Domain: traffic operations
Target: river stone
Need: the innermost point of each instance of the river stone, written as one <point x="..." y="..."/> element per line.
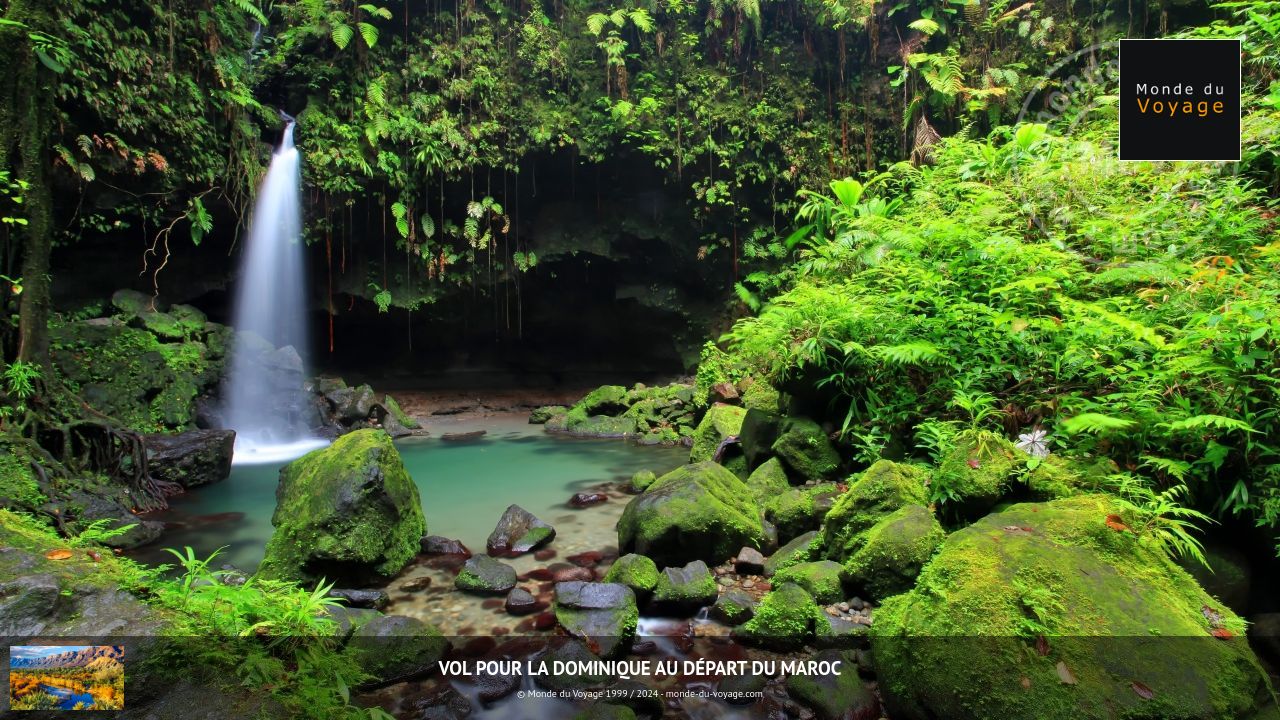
<point x="394" y="409"/>
<point x="636" y="572"/>
<point x="749" y="562"/>
<point x="365" y="599"/>
<point x="395" y="647"/>
<point x="834" y="696"/>
<point x="604" y="615"/>
<point x="823" y="579"/>
<point x="783" y="620"/>
<point x="518" y="532"/>
<point x="93" y="507"/>
<point x="349" y="513"/>
<point x="799" y="550"/>
<point x="574" y="654"/>
<point x="894" y="551"/>
<point x="541" y="415"/>
<point x="352" y="404"/>
<point x="440" y="545"/>
<point x="1121" y="614"/>
<point x="131" y="302"/>
<point x="720" y="423"/>
<point x="805" y="450"/>
<point x="521" y="602"/>
<point x="190" y="459"/>
<point x="695" y="512"/>
<point x="879" y="491"/>
<point x="685" y="589"/>
<point x="832" y="631"/>
<point x="734" y="607"/>
<point x="483" y="574"/>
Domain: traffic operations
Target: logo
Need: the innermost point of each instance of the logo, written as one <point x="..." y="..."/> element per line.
<point x="1180" y="100"/>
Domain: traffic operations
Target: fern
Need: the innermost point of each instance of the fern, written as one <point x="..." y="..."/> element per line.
<point x="1094" y="424"/>
<point x="341" y="35"/>
<point x="251" y="9"/>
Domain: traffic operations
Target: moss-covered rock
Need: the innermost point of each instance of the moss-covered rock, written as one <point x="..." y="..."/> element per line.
<point x="801" y="549"/>
<point x="836" y="695"/>
<point x="399" y="414"/>
<point x="1127" y="633"/>
<point x="604" y="615"/>
<point x="768" y="481"/>
<point x="720" y="422"/>
<point x="18" y="487"/>
<point x="484" y="575"/>
<point x="881" y="489"/>
<point x="759" y="395"/>
<point x="824" y="580"/>
<point x="685" y="589"/>
<point x="758" y="434"/>
<point x="395" y="647"/>
<point x="542" y="414"/>
<point x="806" y="450"/>
<point x="977" y="472"/>
<point x="734" y="607"/>
<point x="695" y="512"/>
<point x="894" y="550"/>
<point x="604" y="400"/>
<point x="345" y="512"/>
<point x="636" y="572"/>
<point x="642" y="479"/>
<point x="784" y="618"/>
<point x="795" y="511"/>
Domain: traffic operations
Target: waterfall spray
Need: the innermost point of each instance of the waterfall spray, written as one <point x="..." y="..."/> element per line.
<point x="265" y="401"/>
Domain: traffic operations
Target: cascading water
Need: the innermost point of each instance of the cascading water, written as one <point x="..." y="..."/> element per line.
<point x="264" y="397"/>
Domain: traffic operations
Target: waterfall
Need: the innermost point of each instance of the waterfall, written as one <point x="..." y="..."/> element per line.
<point x="264" y="397"/>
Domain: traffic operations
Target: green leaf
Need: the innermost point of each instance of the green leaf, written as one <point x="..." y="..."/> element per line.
<point x="49" y="62"/>
<point x="1094" y="424"/>
<point x="342" y="35"/>
<point x="369" y="33"/>
<point x="1209" y="422"/>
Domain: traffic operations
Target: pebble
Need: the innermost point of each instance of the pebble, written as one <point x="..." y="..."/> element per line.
<point x="748" y="583"/>
<point x="544" y="554"/>
<point x="844" y="607"/>
<point x="857" y="603"/>
<point x="416" y="584"/>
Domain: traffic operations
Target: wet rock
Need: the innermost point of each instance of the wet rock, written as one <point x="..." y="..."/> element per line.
<point x="352" y="404"/>
<point x="395" y="411"/>
<point x="741" y="688"/>
<point x="544" y="554"/>
<point x="591" y="558"/>
<point x="749" y="562"/>
<point x="587" y="499"/>
<point x="541" y="415"/>
<point x="190" y="459"/>
<point x="439" y="545"/>
<point x="521" y="602"/>
<point x="393" y="427"/>
<point x="684" y="589"/>
<point x="832" y="696"/>
<point x="805" y="450"/>
<point x="544" y="621"/>
<point x="798" y="550"/>
<point x="604" y="615"/>
<point x="568" y="573"/>
<point x="370" y="599"/>
<point x="348" y="619"/>
<point x="719" y="424"/>
<point x="642" y="479"/>
<point x="823" y="579"/>
<point x="636" y="572"/>
<point x="464" y="436"/>
<point x="27" y="604"/>
<point x="482" y="574"/>
<point x="734" y="607"/>
<point x="348" y="513"/>
<point x="696" y="512"/>
<point x="393" y="648"/>
<point x="492" y="688"/>
<point x="94" y="507"/>
<point x="834" y="631"/>
<point x="417" y="584"/>
<point x="447" y="704"/>
<point x="518" y="531"/>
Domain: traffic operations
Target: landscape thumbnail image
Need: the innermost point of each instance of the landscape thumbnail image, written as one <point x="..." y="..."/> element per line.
<point x="66" y="677"/>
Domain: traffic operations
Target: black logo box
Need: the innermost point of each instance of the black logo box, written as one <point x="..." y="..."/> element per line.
<point x="1190" y="64"/>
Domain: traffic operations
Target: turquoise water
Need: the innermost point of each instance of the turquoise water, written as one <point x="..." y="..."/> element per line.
<point x="465" y="486"/>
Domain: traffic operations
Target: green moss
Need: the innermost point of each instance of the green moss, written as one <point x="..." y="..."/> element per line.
<point x="894" y="550"/>
<point x="642" y="479"/>
<point x="1115" y="611"/>
<point x="802" y="549"/>
<point x="759" y="395"/>
<point x="18" y="487"/>
<point x="695" y="512"/>
<point x="784" y="619"/>
<point x="542" y="414"/>
<point x="977" y="472"/>
<point x="350" y="507"/>
<point x="806" y="450"/>
<point x="881" y="489"/>
<point x="720" y="422"/>
<point x="691" y="585"/>
<point x="635" y="571"/>
<point x="799" y="510"/>
<point x="399" y="414"/>
<point x="824" y="580"/>
<point x="768" y="481"/>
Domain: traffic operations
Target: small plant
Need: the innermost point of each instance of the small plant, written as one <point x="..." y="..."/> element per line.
<point x="1160" y="517"/>
<point x="196" y="570"/>
<point x="97" y="532"/>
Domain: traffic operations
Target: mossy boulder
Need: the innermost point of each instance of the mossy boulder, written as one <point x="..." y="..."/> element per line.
<point x="132" y="302"/>
<point x="642" y="479"/>
<point x="836" y="695"/>
<point x="604" y="400"/>
<point x="394" y="648"/>
<point x="800" y="549"/>
<point x="978" y="471"/>
<point x="347" y="512"/>
<point x="719" y="423"/>
<point x="1056" y="477"/>
<point x="695" y="512"/>
<point x="783" y="620"/>
<point x="598" y="426"/>
<point x="824" y="580"/>
<point x="758" y="434"/>
<point x="881" y="489"/>
<point x="1126" y="632"/>
<point x="685" y="589"/>
<point x="542" y="414"/>
<point x="759" y="395"/>
<point x="798" y="510"/>
<point x="734" y="607"/>
<point x="603" y="615"/>
<point x="394" y="409"/>
<point x="636" y="572"/>
<point x="768" y="481"/>
<point x="805" y="450"/>
<point x="484" y="575"/>
<point x="894" y="550"/>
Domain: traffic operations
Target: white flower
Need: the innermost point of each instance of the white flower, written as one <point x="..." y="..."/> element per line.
<point x="1033" y="443"/>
